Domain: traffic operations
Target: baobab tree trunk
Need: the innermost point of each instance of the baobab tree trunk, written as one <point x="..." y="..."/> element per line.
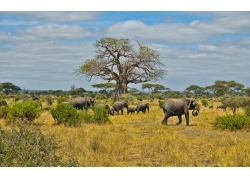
<point x="121" y="88"/>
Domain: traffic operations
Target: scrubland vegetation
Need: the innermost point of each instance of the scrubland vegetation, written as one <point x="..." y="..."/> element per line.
<point x="135" y="140"/>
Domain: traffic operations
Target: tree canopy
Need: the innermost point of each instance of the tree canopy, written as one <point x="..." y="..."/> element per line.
<point x="222" y="87"/>
<point x="120" y="61"/>
<point x="8" y="87"/>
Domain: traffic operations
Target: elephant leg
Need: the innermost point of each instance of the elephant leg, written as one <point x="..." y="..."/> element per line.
<point x="180" y="120"/>
<point x="187" y="119"/>
<point x="165" y="120"/>
<point x="122" y="111"/>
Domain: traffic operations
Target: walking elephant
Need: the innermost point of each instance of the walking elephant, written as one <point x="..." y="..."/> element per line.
<point x="81" y="102"/>
<point x="119" y="106"/>
<point x="105" y="106"/>
<point x="178" y="107"/>
<point x="142" y="107"/>
<point x="131" y="110"/>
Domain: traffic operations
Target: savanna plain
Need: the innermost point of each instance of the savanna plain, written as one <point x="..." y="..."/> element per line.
<point x="139" y="140"/>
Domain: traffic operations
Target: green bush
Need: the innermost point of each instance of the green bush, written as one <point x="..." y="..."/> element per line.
<point x="231" y="122"/>
<point x="26" y="111"/>
<point x="247" y="110"/>
<point x="161" y="103"/>
<point x="26" y="146"/>
<point x="49" y="100"/>
<point x="68" y="115"/>
<point x="85" y="116"/>
<point x="204" y="102"/>
<point x="100" y="115"/>
<point x="62" y="99"/>
<point x="65" y="114"/>
<point x="3" y="111"/>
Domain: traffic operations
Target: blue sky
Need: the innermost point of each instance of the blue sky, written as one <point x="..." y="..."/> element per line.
<point x="40" y="49"/>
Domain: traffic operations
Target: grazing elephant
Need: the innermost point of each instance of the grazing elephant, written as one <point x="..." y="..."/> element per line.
<point x="3" y="103"/>
<point x="81" y="102"/>
<point x="131" y="110"/>
<point x="119" y="106"/>
<point x="106" y="107"/>
<point x="33" y="98"/>
<point x="178" y="107"/>
<point x="142" y="107"/>
<point x="211" y="107"/>
<point x="222" y="107"/>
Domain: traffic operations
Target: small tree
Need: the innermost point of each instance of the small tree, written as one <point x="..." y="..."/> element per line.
<point x="236" y="102"/>
<point x="8" y="87"/>
<point x="154" y="88"/>
<point x="108" y="88"/>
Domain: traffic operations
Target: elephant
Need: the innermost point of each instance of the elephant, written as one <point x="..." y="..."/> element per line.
<point x="119" y="106"/>
<point x="106" y="107"/>
<point x="211" y="107"/>
<point x="178" y="107"/>
<point x="3" y="103"/>
<point x="33" y="98"/>
<point x="131" y="110"/>
<point x="222" y="107"/>
<point x="142" y="107"/>
<point x="81" y="102"/>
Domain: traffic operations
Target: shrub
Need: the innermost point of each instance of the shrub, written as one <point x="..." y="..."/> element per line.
<point x="62" y="99"/>
<point x="26" y="146"/>
<point x="204" y="102"/>
<point x="247" y="110"/>
<point x="231" y="122"/>
<point x="100" y="115"/>
<point x="128" y="97"/>
<point x="3" y="111"/>
<point x="49" y="100"/>
<point x="26" y="111"/>
<point x="65" y="114"/>
<point x="160" y="103"/>
<point x="85" y="116"/>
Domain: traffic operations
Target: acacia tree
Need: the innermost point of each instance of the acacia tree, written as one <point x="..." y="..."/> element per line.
<point x="194" y="89"/>
<point x="222" y="87"/>
<point x="154" y="88"/>
<point x="107" y="87"/>
<point x="118" y="60"/>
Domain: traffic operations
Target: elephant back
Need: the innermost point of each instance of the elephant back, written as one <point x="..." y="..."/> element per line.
<point x="118" y="105"/>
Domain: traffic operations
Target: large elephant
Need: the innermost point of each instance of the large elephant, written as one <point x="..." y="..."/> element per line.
<point x="178" y="107"/>
<point x="105" y="106"/>
<point x="81" y="102"/>
<point x="119" y="106"/>
<point x="142" y="107"/>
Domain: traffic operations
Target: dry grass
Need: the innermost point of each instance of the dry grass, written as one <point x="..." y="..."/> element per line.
<point x="141" y="140"/>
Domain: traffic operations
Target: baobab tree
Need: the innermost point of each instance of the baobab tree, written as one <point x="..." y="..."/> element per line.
<point x="118" y="60"/>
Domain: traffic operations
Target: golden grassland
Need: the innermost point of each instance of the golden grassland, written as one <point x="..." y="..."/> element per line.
<point x="140" y="140"/>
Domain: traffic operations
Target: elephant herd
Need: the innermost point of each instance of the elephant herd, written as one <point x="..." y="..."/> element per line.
<point x="85" y="102"/>
<point x="171" y="107"/>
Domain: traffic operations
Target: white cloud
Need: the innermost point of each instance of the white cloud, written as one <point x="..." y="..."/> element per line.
<point x="59" y="16"/>
<point x="197" y="31"/>
<point x="55" y="31"/>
